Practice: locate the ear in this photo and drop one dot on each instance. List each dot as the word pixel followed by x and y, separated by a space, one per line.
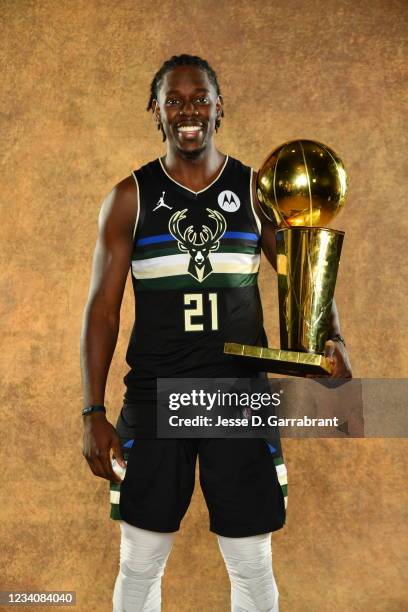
pixel 156 111
pixel 219 105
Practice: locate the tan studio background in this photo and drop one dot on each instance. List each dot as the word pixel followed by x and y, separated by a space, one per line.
pixel 75 84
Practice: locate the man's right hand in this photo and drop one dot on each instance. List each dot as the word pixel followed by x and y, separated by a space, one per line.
pixel 99 438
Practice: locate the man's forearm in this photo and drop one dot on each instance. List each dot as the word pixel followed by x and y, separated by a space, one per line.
pixel 98 341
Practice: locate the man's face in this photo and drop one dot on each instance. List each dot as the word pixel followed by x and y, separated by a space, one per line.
pixel 188 107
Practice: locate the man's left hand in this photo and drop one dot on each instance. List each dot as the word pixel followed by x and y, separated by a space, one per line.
pixel 336 352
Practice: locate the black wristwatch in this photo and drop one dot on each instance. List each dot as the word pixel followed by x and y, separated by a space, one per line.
pixel 338 338
pixel 93 408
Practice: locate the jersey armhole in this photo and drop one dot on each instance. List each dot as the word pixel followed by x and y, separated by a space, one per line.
pixel 138 204
pixel 256 216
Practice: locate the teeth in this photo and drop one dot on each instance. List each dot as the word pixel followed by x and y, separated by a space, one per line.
pixel 189 128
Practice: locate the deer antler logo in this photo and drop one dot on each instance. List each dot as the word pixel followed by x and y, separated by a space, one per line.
pixel 199 244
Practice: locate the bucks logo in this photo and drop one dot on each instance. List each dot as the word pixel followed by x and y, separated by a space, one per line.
pixel 199 244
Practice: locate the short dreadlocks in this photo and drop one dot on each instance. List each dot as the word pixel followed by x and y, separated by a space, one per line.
pixel 174 62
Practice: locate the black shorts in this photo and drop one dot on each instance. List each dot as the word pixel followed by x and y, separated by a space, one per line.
pixel 243 481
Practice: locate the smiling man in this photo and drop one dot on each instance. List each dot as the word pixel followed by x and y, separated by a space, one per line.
pixel 189 227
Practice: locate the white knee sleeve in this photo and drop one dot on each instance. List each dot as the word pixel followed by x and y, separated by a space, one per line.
pixel 143 556
pixel 249 565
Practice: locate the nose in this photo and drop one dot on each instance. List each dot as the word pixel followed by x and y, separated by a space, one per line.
pixel 187 108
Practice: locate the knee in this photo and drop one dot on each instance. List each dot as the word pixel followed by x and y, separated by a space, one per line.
pixel 145 570
pixel 249 565
pixel 254 588
pixel 143 553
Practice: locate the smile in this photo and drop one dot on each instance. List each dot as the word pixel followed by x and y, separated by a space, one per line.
pixel 189 128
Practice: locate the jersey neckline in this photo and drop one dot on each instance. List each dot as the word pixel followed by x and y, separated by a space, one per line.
pixel 227 157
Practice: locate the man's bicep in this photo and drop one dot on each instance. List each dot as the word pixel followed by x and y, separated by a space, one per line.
pixel 109 271
pixel 113 250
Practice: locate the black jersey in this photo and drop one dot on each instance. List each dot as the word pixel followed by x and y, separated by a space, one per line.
pixel 194 271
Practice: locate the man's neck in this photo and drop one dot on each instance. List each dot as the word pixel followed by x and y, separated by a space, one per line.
pixel 195 172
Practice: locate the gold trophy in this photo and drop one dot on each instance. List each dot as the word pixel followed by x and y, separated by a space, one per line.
pixel 301 187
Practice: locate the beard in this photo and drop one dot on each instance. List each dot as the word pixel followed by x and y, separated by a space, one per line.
pixel 194 154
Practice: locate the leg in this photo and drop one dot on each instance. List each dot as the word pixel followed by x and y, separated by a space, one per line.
pixel 249 564
pixel 143 555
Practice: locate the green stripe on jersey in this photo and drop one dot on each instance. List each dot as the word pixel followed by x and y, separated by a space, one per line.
pixel 185 281
pixel 115 512
pixel 149 254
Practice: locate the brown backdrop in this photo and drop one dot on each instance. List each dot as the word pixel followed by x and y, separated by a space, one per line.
pixel 76 78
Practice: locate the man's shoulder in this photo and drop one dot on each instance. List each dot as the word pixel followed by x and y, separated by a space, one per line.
pixel 238 166
pixel 122 200
pixel 128 185
pixel 146 166
pixel 239 163
pixel 125 187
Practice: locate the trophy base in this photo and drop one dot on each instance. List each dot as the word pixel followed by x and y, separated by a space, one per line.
pixel 290 363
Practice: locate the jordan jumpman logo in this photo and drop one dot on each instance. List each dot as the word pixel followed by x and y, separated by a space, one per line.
pixel 161 203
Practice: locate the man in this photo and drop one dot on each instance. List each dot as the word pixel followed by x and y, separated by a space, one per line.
pixel 190 226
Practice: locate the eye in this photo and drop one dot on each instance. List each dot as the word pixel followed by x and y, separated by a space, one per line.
pixel 202 100
pixel 172 101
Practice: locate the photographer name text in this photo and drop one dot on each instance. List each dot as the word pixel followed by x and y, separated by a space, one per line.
pixel 253 421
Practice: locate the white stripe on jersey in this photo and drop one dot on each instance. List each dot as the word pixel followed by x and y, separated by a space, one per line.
pixel 114 497
pixel 176 265
pixel 282 474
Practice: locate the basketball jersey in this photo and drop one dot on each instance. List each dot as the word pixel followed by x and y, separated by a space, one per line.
pixel 194 272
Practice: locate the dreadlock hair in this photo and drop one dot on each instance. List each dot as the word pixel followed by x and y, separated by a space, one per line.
pixel 174 62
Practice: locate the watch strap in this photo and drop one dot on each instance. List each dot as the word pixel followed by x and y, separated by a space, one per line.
pixel 338 338
pixel 93 408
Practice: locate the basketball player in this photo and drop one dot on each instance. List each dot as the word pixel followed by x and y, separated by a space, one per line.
pixel 189 226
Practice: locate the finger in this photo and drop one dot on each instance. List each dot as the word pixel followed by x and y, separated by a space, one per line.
pixel 95 465
pixel 108 472
pixel 329 349
pixel 334 365
pixel 340 371
pixel 89 458
pixel 117 452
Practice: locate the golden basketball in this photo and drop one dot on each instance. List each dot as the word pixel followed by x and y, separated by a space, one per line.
pixel 303 183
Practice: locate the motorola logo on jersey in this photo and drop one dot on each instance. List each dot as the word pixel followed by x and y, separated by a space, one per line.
pixel 228 201
pixel 198 243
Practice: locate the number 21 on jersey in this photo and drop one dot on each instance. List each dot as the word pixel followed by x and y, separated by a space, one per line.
pixel 194 304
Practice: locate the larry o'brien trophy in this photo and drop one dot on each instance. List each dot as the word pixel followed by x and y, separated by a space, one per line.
pixel 301 187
